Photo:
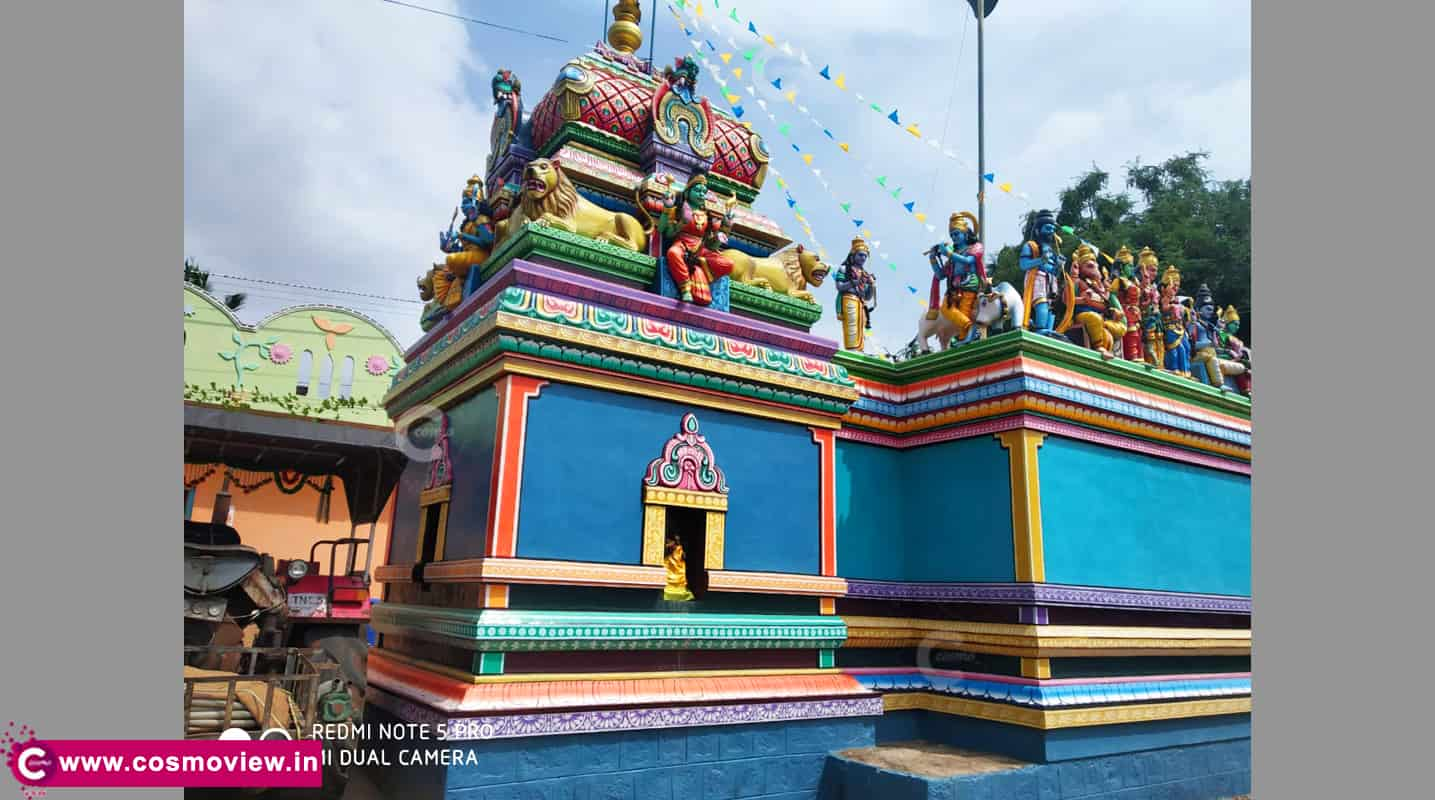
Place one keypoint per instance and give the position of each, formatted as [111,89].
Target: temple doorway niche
[684,512]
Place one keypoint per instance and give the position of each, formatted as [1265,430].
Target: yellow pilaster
[1021,446]
[1036,668]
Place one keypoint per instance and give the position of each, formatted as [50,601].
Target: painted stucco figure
[1127,289]
[675,568]
[467,248]
[1043,268]
[961,266]
[1205,337]
[548,197]
[1235,356]
[507,114]
[1098,312]
[696,237]
[856,296]
[790,271]
[1149,298]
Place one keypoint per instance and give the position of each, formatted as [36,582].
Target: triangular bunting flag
[843,145]
[921,216]
[781,184]
[893,116]
[877,108]
[807,157]
[726,57]
[733,15]
[687,32]
[829,133]
[897,192]
[700,9]
[759,65]
[795,148]
[856,223]
[817,172]
[791,202]
[737,73]
[882,181]
[748,54]
[733,98]
[787,48]
[912,129]
[847,207]
[762,104]
[785,130]
[932,228]
[1005,187]
[768,39]
[791,97]
[825,74]
[737,111]
[910,288]
[711,46]
[751,27]
[866,234]
[803,58]
[777,83]
[909,206]
[991,177]
[841,81]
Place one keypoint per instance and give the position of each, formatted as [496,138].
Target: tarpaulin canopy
[368,460]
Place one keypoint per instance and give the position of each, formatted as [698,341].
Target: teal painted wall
[585,456]
[404,535]
[959,512]
[1122,519]
[935,513]
[473,424]
[870,513]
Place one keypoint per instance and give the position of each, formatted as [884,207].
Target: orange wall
[283,525]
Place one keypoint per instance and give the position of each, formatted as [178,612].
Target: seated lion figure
[549,198]
[788,272]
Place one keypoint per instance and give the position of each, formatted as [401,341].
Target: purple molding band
[1021,681]
[1045,425]
[1048,594]
[478,728]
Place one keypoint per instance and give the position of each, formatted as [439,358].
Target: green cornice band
[503,630]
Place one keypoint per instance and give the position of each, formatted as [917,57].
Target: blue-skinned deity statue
[1045,278]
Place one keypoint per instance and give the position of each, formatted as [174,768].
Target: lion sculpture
[549,198]
[788,272]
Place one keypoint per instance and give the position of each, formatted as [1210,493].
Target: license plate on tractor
[308,605]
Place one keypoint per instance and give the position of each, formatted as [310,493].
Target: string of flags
[784,84]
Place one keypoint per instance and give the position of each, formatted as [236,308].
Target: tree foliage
[198,278]
[1201,226]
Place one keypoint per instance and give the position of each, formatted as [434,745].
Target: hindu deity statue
[676,569]
[694,258]
[1149,299]
[1098,311]
[507,114]
[1205,335]
[1235,356]
[1128,292]
[1044,267]
[856,296]
[962,266]
[467,248]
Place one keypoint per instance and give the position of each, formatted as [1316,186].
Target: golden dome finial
[624,34]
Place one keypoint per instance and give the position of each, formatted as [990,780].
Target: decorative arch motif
[686,475]
[687,462]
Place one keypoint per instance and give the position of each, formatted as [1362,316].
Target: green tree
[198,278]
[1201,226]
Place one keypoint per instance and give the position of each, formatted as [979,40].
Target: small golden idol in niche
[677,569]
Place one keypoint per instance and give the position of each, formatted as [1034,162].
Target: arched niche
[685,495]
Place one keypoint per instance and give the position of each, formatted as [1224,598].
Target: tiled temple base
[772,761]
[1212,771]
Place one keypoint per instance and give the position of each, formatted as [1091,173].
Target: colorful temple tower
[667,544]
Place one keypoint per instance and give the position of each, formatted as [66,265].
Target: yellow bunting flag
[912,129]
[700,9]
[841,81]
[726,57]
[807,158]
[737,72]
[921,216]
[844,147]
[768,39]
[866,235]
[791,97]
[1005,187]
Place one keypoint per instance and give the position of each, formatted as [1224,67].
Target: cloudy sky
[326,141]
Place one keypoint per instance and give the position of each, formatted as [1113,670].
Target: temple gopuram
[669,544]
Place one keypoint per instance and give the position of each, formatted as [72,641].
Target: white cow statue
[1001,308]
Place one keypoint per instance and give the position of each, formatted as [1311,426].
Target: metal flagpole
[652,36]
[981,10]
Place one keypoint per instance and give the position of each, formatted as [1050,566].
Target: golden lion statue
[788,272]
[548,198]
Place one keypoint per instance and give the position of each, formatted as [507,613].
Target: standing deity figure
[1235,356]
[697,236]
[962,266]
[1205,336]
[675,565]
[1128,292]
[856,296]
[1098,311]
[1149,305]
[1044,266]
[1175,323]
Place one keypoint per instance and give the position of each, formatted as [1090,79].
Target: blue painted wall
[473,424]
[935,513]
[587,451]
[1117,518]
[404,535]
